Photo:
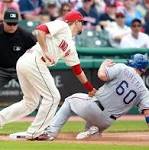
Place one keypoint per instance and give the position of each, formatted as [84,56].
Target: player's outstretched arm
[79,73]
[146,114]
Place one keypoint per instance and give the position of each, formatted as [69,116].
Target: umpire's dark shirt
[13,45]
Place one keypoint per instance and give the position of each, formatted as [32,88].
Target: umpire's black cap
[11,16]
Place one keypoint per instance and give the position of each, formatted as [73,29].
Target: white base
[18,135]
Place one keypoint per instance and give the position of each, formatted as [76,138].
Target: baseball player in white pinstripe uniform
[55,41]
[124,88]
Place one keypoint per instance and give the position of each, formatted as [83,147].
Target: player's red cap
[73,16]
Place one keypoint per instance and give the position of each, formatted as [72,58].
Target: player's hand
[92,93]
[49,59]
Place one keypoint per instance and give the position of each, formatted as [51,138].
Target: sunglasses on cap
[11,23]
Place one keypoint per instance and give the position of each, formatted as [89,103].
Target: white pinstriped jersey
[124,90]
[60,43]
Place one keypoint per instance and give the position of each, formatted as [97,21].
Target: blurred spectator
[136,39]
[141,7]
[75,4]
[52,10]
[14,41]
[109,14]
[146,18]
[65,7]
[30,9]
[100,6]
[90,14]
[6,4]
[119,4]
[118,29]
[131,12]
[44,18]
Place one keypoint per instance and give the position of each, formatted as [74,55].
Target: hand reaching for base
[92,93]
[49,59]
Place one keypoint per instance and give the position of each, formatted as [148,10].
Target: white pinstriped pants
[36,81]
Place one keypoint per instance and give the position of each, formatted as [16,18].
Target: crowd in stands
[107,22]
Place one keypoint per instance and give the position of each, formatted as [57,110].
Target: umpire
[14,41]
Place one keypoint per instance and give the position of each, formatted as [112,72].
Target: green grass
[71,126]
[28,145]
[118,126]
[128,126]
[14,127]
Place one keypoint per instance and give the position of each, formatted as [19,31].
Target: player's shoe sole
[91,132]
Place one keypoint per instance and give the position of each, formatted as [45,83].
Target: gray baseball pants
[83,106]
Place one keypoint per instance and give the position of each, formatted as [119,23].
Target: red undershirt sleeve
[43,28]
[76,69]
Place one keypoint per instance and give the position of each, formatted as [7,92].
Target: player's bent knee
[77,96]
[31,105]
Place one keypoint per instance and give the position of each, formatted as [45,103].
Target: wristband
[88,86]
